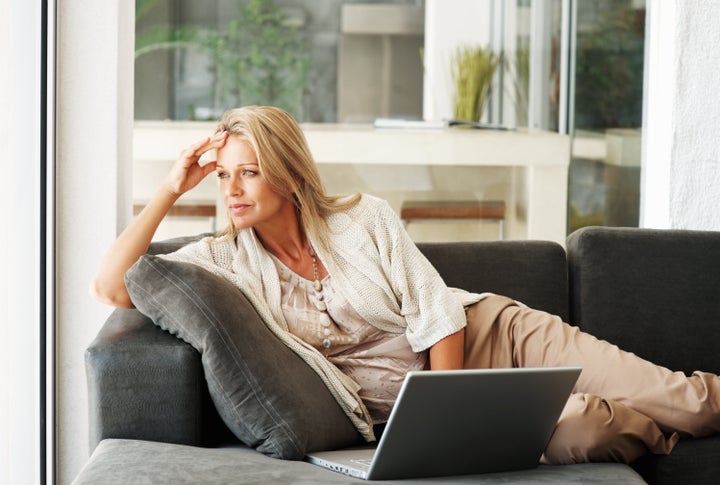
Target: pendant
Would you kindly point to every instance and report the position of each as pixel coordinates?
(320, 305)
(317, 285)
(326, 343)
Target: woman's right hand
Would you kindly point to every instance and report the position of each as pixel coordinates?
(187, 172)
(108, 285)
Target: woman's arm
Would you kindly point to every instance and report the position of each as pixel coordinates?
(108, 285)
(448, 353)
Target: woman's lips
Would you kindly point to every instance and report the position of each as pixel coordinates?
(238, 208)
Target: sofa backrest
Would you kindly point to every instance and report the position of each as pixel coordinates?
(533, 272)
(167, 246)
(651, 292)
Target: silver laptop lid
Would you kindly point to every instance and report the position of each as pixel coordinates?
(471, 421)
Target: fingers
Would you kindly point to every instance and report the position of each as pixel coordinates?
(198, 149)
(187, 171)
(215, 142)
(209, 168)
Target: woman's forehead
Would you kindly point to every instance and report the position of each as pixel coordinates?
(236, 151)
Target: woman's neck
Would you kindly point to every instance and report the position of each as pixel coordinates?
(284, 238)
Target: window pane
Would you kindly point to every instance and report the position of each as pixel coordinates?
(324, 61)
(605, 169)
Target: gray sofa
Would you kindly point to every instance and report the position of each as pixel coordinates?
(651, 292)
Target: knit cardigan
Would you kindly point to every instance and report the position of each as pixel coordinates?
(377, 268)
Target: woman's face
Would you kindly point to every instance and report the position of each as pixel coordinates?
(247, 195)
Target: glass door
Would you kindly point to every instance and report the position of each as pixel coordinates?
(605, 112)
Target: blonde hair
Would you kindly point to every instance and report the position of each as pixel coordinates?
(287, 165)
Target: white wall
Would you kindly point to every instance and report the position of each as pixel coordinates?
(681, 146)
(94, 156)
(20, 283)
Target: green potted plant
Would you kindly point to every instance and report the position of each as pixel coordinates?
(473, 69)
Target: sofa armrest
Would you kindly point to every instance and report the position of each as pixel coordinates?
(650, 291)
(143, 383)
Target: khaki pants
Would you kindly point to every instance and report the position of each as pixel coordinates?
(621, 406)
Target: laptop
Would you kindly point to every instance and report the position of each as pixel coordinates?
(462, 422)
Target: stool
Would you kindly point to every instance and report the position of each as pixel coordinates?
(199, 209)
(425, 210)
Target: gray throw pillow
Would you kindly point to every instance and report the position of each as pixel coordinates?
(264, 392)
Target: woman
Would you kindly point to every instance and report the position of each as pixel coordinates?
(341, 277)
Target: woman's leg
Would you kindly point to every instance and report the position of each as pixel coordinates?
(502, 334)
(593, 429)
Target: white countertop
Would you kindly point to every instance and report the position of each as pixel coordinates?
(363, 144)
(537, 192)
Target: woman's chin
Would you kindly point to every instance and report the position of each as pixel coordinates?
(241, 224)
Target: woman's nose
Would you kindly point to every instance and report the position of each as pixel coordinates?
(233, 187)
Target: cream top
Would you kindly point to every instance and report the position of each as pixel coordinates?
(375, 359)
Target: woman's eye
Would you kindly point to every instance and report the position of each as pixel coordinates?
(222, 175)
(249, 173)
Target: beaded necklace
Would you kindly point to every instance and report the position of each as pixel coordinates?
(320, 304)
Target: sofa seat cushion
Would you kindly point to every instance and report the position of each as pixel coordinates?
(117, 462)
(264, 392)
